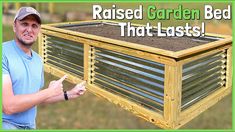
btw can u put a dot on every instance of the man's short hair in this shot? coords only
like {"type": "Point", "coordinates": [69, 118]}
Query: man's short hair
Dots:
{"type": "Point", "coordinates": [26, 11]}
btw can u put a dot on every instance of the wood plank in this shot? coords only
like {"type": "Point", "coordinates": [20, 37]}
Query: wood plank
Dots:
{"type": "Point", "coordinates": [86, 61]}
{"type": "Point", "coordinates": [40, 44]}
{"type": "Point", "coordinates": [64, 36]}
{"type": "Point", "coordinates": [206, 53]}
{"type": "Point", "coordinates": [208, 46]}
{"type": "Point", "coordinates": [172, 94]}
{"type": "Point", "coordinates": [203, 105]}
{"type": "Point", "coordinates": [68, 23]}
{"type": "Point", "coordinates": [229, 68]}
{"type": "Point", "coordinates": [217, 35]}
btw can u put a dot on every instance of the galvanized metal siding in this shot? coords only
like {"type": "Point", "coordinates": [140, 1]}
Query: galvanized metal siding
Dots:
{"type": "Point", "coordinates": [65, 55]}
{"type": "Point", "coordinates": [202, 77]}
{"type": "Point", "coordinates": [136, 79]}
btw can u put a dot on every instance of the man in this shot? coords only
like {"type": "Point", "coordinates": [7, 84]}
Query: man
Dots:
{"type": "Point", "coordinates": [23, 75]}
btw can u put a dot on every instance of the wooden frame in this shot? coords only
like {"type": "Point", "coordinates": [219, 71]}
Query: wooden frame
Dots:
{"type": "Point", "coordinates": [172, 117]}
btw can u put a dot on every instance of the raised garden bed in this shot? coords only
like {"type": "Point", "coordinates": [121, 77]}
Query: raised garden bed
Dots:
{"type": "Point", "coordinates": [165, 80]}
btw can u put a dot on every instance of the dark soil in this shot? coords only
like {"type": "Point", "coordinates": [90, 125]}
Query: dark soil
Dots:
{"type": "Point", "coordinates": [166, 43]}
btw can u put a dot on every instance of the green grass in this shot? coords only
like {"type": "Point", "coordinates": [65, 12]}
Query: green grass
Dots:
{"type": "Point", "coordinates": [92, 112]}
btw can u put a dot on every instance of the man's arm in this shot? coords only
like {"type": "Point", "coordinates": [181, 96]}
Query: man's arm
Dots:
{"type": "Point", "coordinates": [19, 103]}
{"type": "Point", "coordinates": [78, 90]}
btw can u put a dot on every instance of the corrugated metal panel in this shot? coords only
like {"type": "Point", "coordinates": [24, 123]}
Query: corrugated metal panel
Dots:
{"type": "Point", "coordinates": [202, 77]}
{"type": "Point", "coordinates": [64, 54]}
{"type": "Point", "coordinates": [137, 79]}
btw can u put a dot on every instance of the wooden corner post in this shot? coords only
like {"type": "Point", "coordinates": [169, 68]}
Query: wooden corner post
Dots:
{"type": "Point", "coordinates": [229, 69]}
{"type": "Point", "coordinates": [172, 94]}
{"type": "Point", "coordinates": [86, 61]}
{"type": "Point", "coordinates": [40, 44]}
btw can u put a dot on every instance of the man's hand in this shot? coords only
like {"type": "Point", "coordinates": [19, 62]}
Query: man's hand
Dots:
{"type": "Point", "coordinates": [56, 87]}
{"type": "Point", "coordinates": [78, 90]}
